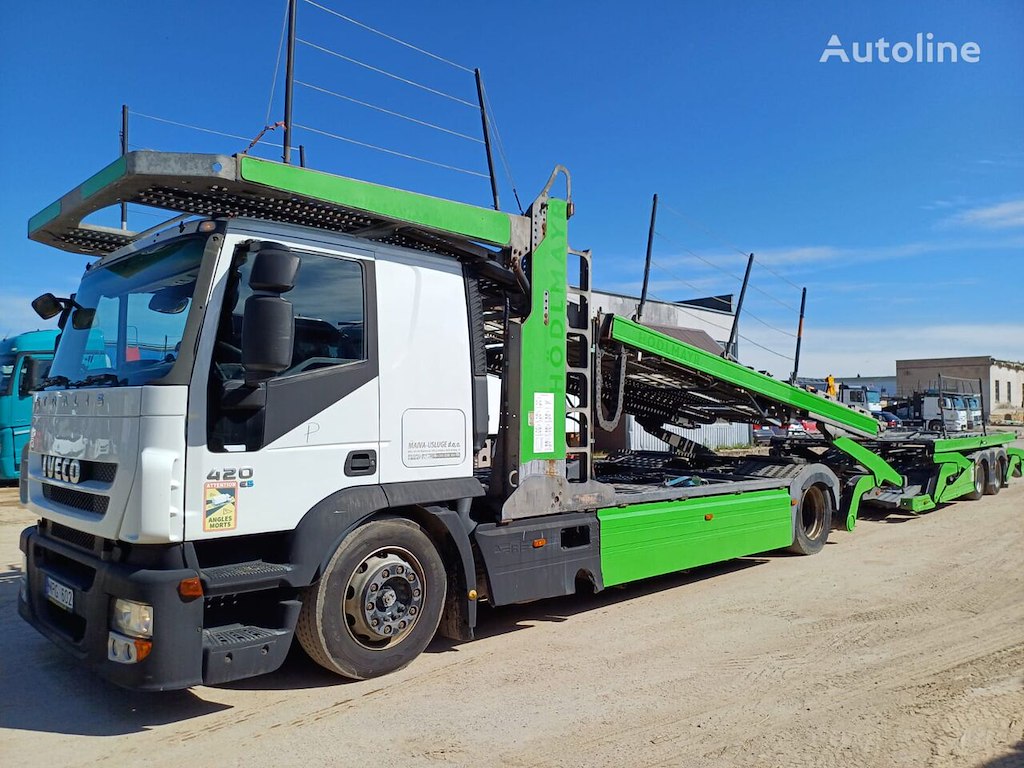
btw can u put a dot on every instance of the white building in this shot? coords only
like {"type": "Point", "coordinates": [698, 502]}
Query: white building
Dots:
{"type": "Point", "coordinates": [1002, 381]}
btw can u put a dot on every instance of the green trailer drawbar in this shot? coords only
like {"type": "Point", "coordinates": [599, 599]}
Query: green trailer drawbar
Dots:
{"type": "Point", "coordinates": [309, 408]}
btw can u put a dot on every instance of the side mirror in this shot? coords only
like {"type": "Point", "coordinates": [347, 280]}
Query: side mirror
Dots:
{"type": "Point", "coordinates": [274, 269]}
{"type": "Point", "coordinates": [81, 318]}
{"type": "Point", "coordinates": [47, 306]}
{"type": "Point", "coordinates": [31, 376]}
{"type": "Point", "coordinates": [268, 332]}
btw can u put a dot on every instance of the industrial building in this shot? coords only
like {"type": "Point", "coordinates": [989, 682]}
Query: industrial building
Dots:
{"type": "Point", "coordinates": [1002, 381]}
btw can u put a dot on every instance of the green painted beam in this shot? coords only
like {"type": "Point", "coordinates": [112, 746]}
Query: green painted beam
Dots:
{"type": "Point", "coordinates": [693, 358]}
{"type": "Point", "coordinates": [864, 484]}
{"type": "Point", "coordinates": [871, 461]}
{"type": "Point", "coordinates": [973, 442]}
{"type": "Point", "coordinates": [470, 221]}
{"type": "Point", "coordinates": [646, 540]}
{"type": "Point", "coordinates": [542, 375]}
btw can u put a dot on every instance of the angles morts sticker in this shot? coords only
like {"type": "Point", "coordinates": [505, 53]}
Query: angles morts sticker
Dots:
{"type": "Point", "coordinates": [220, 506]}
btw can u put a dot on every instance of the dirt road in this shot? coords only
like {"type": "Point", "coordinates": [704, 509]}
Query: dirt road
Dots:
{"type": "Point", "coordinates": [902, 644]}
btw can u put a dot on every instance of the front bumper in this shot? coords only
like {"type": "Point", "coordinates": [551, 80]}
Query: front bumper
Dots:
{"type": "Point", "coordinates": [151, 576]}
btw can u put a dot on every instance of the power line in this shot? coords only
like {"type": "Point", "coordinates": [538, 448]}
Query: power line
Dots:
{"type": "Point", "coordinates": [391, 151]}
{"type": "Point", "coordinates": [389, 112]}
{"type": "Point", "coordinates": [389, 37]}
{"type": "Point", "coordinates": [693, 286]}
{"type": "Point", "coordinates": [724, 241]}
{"type": "Point", "coordinates": [720, 327]}
{"type": "Point", "coordinates": [725, 271]}
{"type": "Point", "coordinates": [201, 129]}
{"type": "Point", "coordinates": [277, 64]}
{"type": "Point", "coordinates": [384, 72]}
{"type": "Point", "coordinates": [781, 277]}
{"type": "Point", "coordinates": [748, 313]}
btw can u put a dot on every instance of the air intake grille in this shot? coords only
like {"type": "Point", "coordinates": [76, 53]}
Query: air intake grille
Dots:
{"type": "Point", "coordinates": [87, 502]}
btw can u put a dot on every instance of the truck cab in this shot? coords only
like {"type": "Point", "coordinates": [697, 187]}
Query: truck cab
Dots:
{"type": "Point", "coordinates": [24, 362]}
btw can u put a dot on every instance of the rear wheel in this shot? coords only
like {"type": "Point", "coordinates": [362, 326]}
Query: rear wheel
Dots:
{"type": "Point", "coordinates": [1001, 479]}
{"type": "Point", "coordinates": [935, 425]}
{"type": "Point", "coordinates": [377, 604]}
{"type": "Point", "coordinates": [813, 520]}
{"type": "Point", "coordinates": [980, 481]}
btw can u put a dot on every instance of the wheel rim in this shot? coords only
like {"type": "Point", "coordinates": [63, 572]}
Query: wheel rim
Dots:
{"type": "Point", "coordinates": [812, 512]}
{"type": "Point", "coordinates": [979, 478]}
{"type": "Point", "coordinates": [384, 598]}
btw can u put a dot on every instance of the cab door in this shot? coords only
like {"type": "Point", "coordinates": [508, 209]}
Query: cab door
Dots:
{"type": "Point", "coordinates": [261, 457]}
{"type": "Point", "coordinates": [21, 401]}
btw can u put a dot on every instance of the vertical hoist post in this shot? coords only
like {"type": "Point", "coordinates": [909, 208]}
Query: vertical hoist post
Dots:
{"type": "Point", "coordinates": [487, 138]}
{"type": "Point", "coordinates": [730, 347]}
{"type": "Point", "coordinates": [289, 82]}
{"type": "Point", "coordinates": [799, 337]}
{"type": "Point", "coordinates": [647, 261]}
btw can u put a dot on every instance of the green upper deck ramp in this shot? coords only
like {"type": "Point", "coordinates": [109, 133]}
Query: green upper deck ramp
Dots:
{"type": "Point", "coordinates": [670, 381]}
{"type": "Point", "coordinates": [239, 185]}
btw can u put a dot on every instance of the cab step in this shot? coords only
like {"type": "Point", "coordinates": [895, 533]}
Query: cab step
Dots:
{"type": "Point", "coordinates": [244, 577]}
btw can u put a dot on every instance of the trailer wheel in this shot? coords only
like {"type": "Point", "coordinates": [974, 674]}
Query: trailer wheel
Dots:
{"type": "Point", "coordinates": [980, 480]}
{"type": "Point", "coordinates": [813, 520]}
{"type": "Point", "coordinates": [377, 604]}
{"type": "Point", "coordinates": [1002, 481]}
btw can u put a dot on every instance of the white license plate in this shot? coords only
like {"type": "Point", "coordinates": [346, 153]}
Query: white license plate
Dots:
{"type": "Point", "coordinates": [60, 594]}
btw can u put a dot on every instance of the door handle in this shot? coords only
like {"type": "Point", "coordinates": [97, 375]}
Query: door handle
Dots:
{"type": "Point", "coordinates": [361, 463]}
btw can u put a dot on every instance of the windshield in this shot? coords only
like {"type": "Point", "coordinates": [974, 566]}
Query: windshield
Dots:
{"type": "Point", "coordinates": [874, 396]}
{"type": "Point", "coordinates": [141, 303]}
{"type": "Point", "coordinates": [6, 373]}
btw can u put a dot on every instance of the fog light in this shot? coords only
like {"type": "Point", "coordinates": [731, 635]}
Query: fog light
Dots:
{"type": "Point", "coordinates": [132, 618]}
{"type": "Point", "coordinates": [127, 650]}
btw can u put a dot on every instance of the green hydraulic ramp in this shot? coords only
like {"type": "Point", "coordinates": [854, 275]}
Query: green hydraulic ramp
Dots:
{"type": "Point", "coordinates": [665, 380]}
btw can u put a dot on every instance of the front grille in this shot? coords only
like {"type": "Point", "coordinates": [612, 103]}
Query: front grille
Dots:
{"type": "Point", "coordinates": [87, 502]}
{"type": "Point", "coordinates": [100, 471]}
{"type": "Point", "coordinates": [71, 536]}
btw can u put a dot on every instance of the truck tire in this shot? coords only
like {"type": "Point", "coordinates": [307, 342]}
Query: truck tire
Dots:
{"type": "Point", "coordinates": [980, 480]}
{"type": "Point", "coordinates": [378, 602]}
{"type": "Point", "coordinates": [934, 425]}
{"type": "Point", "coordinates": [1002, 481]}
{"type": "Point", "coordinates": [813, 520]}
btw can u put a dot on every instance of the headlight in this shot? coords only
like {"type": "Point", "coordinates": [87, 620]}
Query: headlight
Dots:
{"type": "Point", "coordinates": [132, 618]}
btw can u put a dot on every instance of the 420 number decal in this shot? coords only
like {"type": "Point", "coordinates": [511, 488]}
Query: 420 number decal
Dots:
{"type": "Point", "coordinates": [230, 473]}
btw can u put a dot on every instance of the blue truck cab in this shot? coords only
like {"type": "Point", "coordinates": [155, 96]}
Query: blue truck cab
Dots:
{"type": "Point", "coordinates": [15, 398]}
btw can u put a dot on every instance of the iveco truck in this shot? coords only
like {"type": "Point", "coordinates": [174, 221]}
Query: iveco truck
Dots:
{"type": "Point", "coordinates": [320, 410]}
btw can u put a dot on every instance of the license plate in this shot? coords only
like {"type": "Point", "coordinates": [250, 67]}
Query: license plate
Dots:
{"type": "Point", "coordinates": [60, 594]}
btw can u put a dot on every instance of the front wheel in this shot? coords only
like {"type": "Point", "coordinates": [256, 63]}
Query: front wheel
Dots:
{"type": "Point", "coordinates": [377, 604]}
{"type": "Point", "coordinates": [813, 520]}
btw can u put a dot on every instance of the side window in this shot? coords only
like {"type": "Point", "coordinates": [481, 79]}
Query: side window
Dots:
{"type": "Point", "coordinates": [327, 303]}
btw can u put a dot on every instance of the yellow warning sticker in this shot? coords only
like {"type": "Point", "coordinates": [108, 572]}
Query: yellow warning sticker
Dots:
{"type": "Point", "coordinates": [220, 508]}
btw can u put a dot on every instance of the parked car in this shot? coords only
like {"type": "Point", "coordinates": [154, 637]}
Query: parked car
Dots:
{"type": "Point", "coordinates": [763, 433]}
{"type": "Point", "coordinates": [888, 420]}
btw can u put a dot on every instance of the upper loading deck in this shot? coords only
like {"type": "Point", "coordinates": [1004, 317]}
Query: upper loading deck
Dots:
{"type": "Point", "coordinates": [667, 380]}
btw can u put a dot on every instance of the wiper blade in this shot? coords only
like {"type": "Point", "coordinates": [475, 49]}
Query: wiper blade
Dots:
{"type": "Point", "coordinates": [100, 378]}
{"type": "Point", "coordinates": [56, 381]}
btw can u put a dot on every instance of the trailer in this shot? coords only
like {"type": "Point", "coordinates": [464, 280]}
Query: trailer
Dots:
{"type": "Point", "coordinates": [311, 453]}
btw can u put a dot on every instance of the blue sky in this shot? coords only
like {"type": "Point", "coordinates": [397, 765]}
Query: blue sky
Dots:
{"type": "Point", "coordinates": [893, 192]}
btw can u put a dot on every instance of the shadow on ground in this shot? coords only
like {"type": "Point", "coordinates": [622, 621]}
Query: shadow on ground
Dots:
{"type": "Point", "coordinates": [42, 688]}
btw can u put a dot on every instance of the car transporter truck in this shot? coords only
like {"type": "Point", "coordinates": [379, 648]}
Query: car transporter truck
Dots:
{"type": "Point", "coordinates": [269, 421]}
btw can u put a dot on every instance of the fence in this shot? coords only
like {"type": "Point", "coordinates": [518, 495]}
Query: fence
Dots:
{"type": "Point", "coordinates": [711, 436]}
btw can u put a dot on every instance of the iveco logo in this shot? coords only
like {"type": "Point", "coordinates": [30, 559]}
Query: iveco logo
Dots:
{"type": "Point", "coordinates": [60, 468]}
